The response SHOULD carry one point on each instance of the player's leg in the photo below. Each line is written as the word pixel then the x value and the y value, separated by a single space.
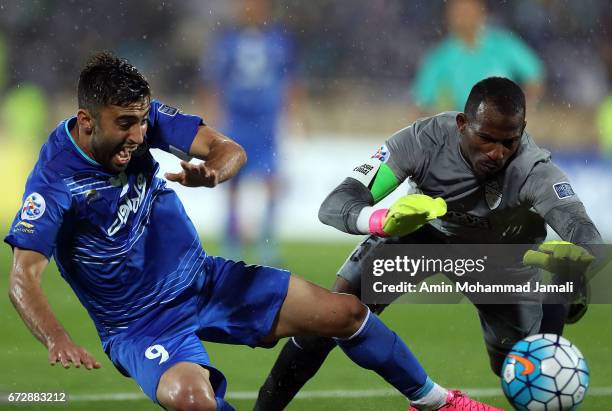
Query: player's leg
pixel 505 324
pixel 267 247
pixel 553 318
pixel 311 310
pixel 302 356
pixel 298 361
pixel 186 386
pixel 171 365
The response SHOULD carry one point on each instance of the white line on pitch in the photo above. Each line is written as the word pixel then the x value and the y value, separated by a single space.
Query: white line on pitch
pixel 251 395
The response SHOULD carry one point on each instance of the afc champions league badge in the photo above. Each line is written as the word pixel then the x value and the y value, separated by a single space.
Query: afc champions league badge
pixel 493 194
pixel 33 207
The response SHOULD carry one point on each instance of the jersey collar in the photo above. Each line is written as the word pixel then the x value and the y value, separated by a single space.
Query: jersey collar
pixel 67 124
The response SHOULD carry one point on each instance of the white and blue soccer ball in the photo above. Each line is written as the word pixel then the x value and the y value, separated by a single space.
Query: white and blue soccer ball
pixel 545 372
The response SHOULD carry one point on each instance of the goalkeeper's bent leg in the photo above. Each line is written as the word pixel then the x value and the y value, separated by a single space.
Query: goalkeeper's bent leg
pixel 553 318
pixel 298 362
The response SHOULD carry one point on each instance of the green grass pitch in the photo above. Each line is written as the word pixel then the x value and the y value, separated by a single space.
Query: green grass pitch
pixel 446 338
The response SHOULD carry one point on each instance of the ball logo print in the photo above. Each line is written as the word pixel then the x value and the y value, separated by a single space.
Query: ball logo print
pixel 527 365
pixel 545 372
pixel 157 351
pixel 33 207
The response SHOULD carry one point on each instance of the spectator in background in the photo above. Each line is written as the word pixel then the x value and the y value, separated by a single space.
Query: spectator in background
pixel 472 51
pixel 250 76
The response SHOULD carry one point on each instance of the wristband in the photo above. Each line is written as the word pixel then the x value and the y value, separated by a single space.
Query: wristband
pixel 377 219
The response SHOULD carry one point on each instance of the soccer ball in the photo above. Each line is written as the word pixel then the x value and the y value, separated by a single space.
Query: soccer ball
pixel 545 372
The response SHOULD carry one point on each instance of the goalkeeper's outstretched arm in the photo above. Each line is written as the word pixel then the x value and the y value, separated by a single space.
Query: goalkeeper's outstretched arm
pixel 573 224
pixel 349 207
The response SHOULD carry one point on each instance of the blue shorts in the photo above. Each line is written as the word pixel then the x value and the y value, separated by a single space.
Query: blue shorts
pixel 233 303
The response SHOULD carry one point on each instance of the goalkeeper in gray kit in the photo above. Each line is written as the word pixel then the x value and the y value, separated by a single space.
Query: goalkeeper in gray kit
pixel 481 179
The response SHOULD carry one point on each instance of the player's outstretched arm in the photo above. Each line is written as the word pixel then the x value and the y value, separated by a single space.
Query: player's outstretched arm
pixel 578 253
pixel 32 305
pixel 222 157
pixel 349 208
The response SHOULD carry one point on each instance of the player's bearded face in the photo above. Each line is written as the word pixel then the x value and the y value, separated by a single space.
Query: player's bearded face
pixel 490 140
pixel 118 131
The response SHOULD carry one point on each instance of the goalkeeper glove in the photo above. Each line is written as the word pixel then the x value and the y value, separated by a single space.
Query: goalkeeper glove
pixel 406 215
pixel 559 257
pixel 565 259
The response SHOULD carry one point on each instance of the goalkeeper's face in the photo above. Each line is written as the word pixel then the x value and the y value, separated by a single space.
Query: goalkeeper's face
pixel 117 132
pixel 490 139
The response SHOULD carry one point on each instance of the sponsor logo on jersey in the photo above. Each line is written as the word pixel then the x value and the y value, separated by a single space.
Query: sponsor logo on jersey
pixel 24 227
pixel 528 366
pixel 33 207
pixel 381 154
pixel 493 194
pixel 167 110
pixel 129 205
pixel 563 190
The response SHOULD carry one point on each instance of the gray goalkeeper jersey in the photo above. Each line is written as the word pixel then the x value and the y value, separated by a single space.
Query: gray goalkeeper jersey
pixel 507 208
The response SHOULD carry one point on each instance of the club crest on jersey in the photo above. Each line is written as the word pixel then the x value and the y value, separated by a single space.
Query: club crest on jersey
pixel 33 207
pixel 382 153
pixel 493 194
pixel 563 190
pixel 167 110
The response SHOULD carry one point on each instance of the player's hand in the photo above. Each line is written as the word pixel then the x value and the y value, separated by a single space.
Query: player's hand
pixel 408 214
pixel 195 175
pixel 64 351
pixel 559 257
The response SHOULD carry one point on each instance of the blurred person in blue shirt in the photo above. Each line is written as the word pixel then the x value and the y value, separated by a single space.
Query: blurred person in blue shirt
pixel 249 75
pixel 473 51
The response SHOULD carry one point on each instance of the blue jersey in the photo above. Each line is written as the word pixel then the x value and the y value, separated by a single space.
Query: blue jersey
pixel 110 234
pixel 251 68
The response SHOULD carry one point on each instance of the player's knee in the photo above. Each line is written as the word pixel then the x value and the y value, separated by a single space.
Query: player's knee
pixel 353 315
pixel 188 394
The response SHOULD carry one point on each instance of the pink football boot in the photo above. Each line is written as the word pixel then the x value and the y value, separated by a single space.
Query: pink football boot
pixel 458 401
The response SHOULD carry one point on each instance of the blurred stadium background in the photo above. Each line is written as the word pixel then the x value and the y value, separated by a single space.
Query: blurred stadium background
pixel 357 61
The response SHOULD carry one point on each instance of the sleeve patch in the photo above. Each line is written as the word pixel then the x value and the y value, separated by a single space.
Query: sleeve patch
pixel 563 190
pixel 365 172
pixel 382 153
pixel 167 110
pixel 33 207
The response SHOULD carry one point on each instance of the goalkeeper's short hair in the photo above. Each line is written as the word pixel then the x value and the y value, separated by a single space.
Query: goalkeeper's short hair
pixel 505 95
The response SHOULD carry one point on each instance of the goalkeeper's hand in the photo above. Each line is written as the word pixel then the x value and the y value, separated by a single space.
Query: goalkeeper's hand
pixel 559 257
pixel 407 214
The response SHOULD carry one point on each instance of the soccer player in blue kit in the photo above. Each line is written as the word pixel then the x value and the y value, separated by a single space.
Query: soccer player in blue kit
pixel 124 243
pixel 251 77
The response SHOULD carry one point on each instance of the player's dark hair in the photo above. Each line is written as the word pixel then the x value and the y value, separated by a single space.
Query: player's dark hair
pixel 503 93
pixel 108 80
